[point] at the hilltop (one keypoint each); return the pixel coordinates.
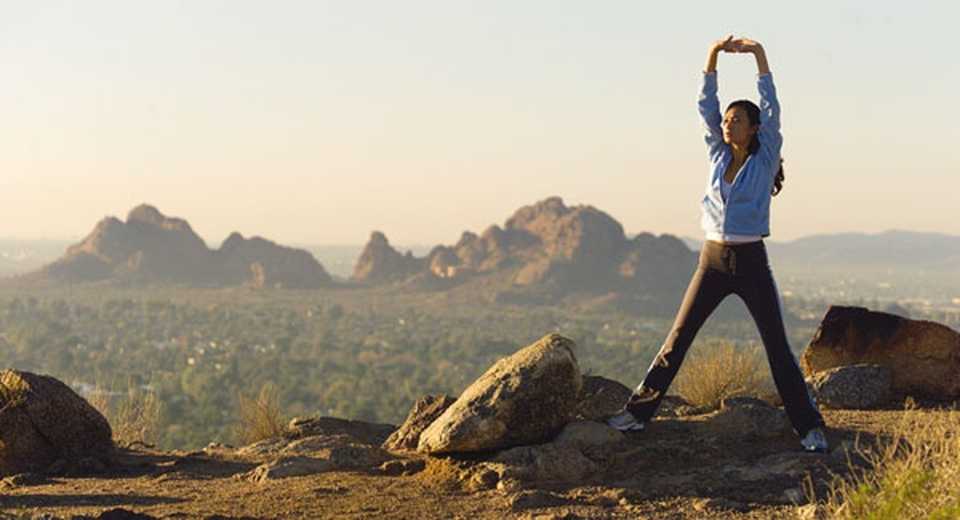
(150, 247)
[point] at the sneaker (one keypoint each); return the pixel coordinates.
(625, 422)
(815, 441)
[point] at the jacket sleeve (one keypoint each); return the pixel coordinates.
(709, 108)
(770, 138)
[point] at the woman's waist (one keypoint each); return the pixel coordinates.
(734, 257)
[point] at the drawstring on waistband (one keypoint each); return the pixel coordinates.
(730, 259)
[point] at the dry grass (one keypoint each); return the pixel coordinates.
(260, 418)
(134, 418)
(719, 370)
(913, 474)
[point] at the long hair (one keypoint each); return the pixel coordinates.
(753, 114)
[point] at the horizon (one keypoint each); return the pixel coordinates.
(396, 245)
(426, 120)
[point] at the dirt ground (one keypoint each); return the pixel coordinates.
(677, 468)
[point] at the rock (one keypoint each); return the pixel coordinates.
(316, 443)
(288, 467)
(588, 434)
(601, 398)
(425, 411)
(319, 461)
(363, 432)
(534, 499)
(43, 420)
(749, 417)
(264, 447)
(546, 463)
(859, 387)
(525, 398)
(402, 467)
(484, 477)
(923, 356)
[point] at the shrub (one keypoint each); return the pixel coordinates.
(134, 419)
(720, 370)
(260, 418)
(915, 473)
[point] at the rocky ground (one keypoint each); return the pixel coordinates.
(693, 466)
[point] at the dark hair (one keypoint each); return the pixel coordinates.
(753, 114)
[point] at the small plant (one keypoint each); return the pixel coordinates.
(260, 418)
(10, 397)
(134, 419)
(720, 370)
(915, 473)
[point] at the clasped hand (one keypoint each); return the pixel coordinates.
(729, 44)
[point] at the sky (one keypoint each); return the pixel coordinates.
(318, 122)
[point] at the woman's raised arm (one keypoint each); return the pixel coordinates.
(708, 105)
(752, 47)
(771, 140)
(725, 44)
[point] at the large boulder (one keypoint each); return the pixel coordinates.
(860, 386)
(923, 356)
(525, 398)
(42, 420)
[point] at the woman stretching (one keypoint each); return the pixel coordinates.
(745, 171)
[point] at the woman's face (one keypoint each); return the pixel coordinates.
(737, 128)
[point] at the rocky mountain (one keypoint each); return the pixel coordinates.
(546, 245)
(153, 248)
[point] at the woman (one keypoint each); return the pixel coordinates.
(744, 150)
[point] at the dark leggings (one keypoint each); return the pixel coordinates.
(741, 269)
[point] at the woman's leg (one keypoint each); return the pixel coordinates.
(759, 291)
(706, 290)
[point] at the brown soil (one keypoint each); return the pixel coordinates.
(678, 468)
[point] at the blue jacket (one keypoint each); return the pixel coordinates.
(747, 210)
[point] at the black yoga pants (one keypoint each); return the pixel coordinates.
(744, 270)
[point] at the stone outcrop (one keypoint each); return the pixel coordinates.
(263, 263)
(426, 410)
(43, 421)
(150, 247)
(546, 245)
(861, 386)
(319, 460)
(525, 398)
(362, 432)
(923, 356)
(380, 262)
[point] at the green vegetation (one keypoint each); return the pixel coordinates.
(915, 473)
(363, 354)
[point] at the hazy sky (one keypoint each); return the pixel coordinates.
(317, 122)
